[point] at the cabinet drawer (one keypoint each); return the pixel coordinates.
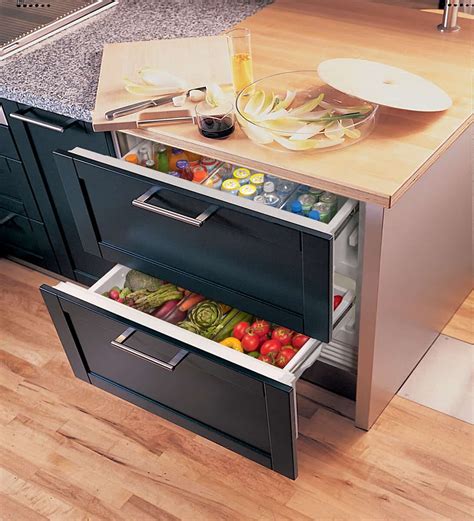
(229, 397)
(26, 239)
(267, 261)
(7, 145)
(15, 190)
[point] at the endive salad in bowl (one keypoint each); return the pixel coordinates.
(296, 111)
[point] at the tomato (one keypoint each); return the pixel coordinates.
(282, 334)
(269, 359)
(250, 341)
(239, 330)
(284, 356)
(337, 300)
(299, 340)
(270, 346)
(261, 327)
(114, 294)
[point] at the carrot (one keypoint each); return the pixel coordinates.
(191, 301)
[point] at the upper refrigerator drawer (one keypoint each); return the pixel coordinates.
(255, 257)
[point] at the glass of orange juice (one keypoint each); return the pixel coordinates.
(238, 41)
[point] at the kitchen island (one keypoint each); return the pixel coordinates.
(413, 256)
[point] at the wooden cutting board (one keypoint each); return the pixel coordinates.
(199, 61)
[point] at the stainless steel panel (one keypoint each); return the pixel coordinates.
(417, 269)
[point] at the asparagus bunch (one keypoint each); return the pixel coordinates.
(148, 301)
(155, 299)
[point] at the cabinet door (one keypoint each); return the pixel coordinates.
(39, 133)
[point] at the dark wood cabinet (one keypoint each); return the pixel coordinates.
(36, 133)
(23, 234)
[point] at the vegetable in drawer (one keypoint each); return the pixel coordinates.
(230, 327)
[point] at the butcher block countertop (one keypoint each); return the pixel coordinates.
(295, 35)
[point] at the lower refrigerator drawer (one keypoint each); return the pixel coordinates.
(233, 399)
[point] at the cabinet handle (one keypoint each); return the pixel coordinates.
(39, 123)
(7, 218)
(142, 202)
(169, 366)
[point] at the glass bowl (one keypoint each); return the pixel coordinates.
(296, 111)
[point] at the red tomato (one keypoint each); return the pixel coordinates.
(114, 294)
(261, 327)
(239, 330)
(299, 340)
(269, 359)
(270, 346)
(282, 334)
(284, 356)
(337, 300)
(250, 341)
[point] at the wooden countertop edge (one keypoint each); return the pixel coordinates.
(352, 192)
(431, 160)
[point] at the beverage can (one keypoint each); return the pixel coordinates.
(257, 180)
(209, 163)
(230, 186)
(242, 175)
(248, 191)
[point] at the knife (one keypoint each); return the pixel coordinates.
(142, 105)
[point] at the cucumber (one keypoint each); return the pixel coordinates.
(227, 327)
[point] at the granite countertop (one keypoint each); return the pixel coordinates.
(61, 74)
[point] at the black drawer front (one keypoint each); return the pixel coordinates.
(15, 190)
(238, 256)
(25, 239)
(7, 145)
(212, 397)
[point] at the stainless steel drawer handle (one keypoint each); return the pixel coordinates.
(39, 123)
(142, 202)
(7, 218)
(169, 366)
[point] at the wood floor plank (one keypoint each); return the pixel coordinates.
(71, 452)
(461, 326)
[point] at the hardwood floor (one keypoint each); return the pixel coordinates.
(461, 326)
(71, 452)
